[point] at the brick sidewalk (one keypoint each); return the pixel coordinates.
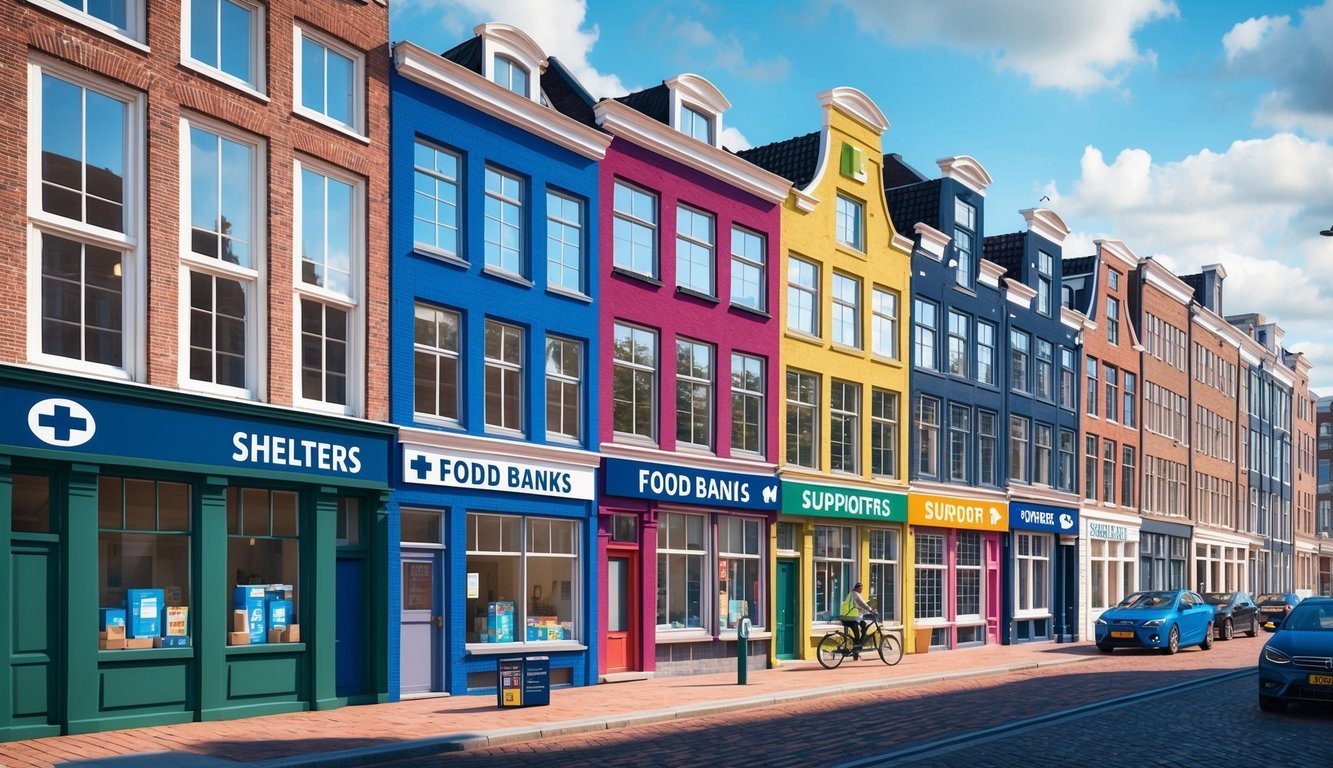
(433, 725)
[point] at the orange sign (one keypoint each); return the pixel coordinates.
(957, 512)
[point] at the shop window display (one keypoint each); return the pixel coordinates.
(739, 568)
(143, 545)
(521, 579)
(263, 559)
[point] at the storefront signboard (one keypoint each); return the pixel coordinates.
(1043, 517)
(1109, 531)
(818, 500)
(690, 485)
(471, 469)
(957, 512)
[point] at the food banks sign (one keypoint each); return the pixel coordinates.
(467, 469)
(847, 503)
(690, 485)
(957, 512)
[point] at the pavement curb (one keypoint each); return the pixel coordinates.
(464, 742)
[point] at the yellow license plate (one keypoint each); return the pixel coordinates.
(1126, 635)
(1321, 679)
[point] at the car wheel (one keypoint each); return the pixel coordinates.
(1228, 630)
(1207, 644)
(1172, 641)
(1104, 648)
(1254, 627)
(1272, 704)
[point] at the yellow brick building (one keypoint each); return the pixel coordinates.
(844, 363)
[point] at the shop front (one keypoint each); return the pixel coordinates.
(494, 561)
(1164, 550)
(685, 551)
(1110, 550)
(1221, 560)
(178, 558)
(1043, 563)
(956, 569)
(827, 538)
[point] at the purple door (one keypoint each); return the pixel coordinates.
(421, 638)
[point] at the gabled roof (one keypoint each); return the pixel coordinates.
(1006, 251)
(566, 94)
(1080, 266)
(466, 54)
(898, 173)
(913, 204)
(654, 102)
(796, 159)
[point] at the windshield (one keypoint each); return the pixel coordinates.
(1310, 618)
(1149, 600)
(1217, 598)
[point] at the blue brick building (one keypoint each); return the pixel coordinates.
(493, 323)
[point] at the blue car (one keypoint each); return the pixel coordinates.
(1165, 619)
(1297, 662)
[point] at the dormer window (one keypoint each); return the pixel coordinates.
(696, 124)
(509, 74)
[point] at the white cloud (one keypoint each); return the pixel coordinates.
(1256, 208)
(1298, 58)
(700, 49)
(733, 139)
(1075, 45)
(556, 25)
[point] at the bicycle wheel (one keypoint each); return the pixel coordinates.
(890, 650)
(832, 650)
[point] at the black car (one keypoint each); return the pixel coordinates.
(1273, 608)
(1236, 612)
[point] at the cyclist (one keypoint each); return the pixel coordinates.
(855, 611)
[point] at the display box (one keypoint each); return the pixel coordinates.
(279, 614)
(144, 607)
(277, 592)
(110, 617)
(112, 633)
(240, 621)
(500, 622)
(251, 600)
(292, 634)
(238, 638)
(177, 623)
(275, 635)
(140, 642)
(117, 644)
(174, 641)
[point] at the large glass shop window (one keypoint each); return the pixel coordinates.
(522, 579)
(681, 553)
(739, 571)
(143, 559)
(834, 566)
(263, 549)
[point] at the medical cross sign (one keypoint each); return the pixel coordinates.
(61, 422)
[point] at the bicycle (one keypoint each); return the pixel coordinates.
(837, 645)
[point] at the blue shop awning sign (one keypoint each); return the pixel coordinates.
(1042, 517)
(690, 485)
(95, 426)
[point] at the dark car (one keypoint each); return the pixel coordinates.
(1297, 662)
(1236, 612)
(1273, 608)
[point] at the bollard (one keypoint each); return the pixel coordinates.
(742, 651)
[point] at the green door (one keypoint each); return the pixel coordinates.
(788, 610)
(34, 642)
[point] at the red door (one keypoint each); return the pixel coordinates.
(621, 610)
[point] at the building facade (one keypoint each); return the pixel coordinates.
(186, 358)
(1324, 493)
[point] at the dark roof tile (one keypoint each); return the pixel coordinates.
(795, 159)
(566, 93)
(1080, 266)
(1006, 251)
(653, 102)
(913, 204)
(466, 54)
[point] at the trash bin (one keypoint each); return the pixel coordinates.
(922, 639)
(523, 682)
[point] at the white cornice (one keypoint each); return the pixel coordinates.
(933, 241)
(901, 242)
(699, 90)
(1072, 319)
(1248, 355)
(967, 170)
(989, 273)
(1019, 292)
(502, 449)
(632, 125)
(515, 40)
(805, 202)
(1046, 223)
(465, 86)
(855, 105)
(1218, 268)
(1117, 250)
(1164, 280)
(805, 198)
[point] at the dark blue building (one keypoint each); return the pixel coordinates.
(1041, 553)
(494, 225)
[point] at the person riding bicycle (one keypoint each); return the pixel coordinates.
(855, 611)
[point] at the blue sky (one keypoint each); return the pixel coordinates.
(1196, 131)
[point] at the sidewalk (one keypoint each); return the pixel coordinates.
(362, 735)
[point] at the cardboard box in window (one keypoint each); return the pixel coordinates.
(139, 642)
(240, 621)
(251, 600)
(112, 644)
(275, 635)
(238, 638)
(177, 624)
(112, 633)
(173, 641)
(292, 634)
(144, 607)
(277, 592)
(110, 617)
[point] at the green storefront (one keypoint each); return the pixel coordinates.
(119, 497)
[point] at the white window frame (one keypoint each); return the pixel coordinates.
(518, 204)
(884, 324)
(926, 429)
(851, 221)
(132, 32)
(811, 407)
(258, 85)
(925, 335)
(741, 394)
(565, 226)
(919, 566)
(438, 352)
(1026, 599)
(638, 369)
(729, 549)
(255, 276)
(437, 177)
(957, 363)
(1020, 435)
(356, 128)
(558, 376)
(653, 228)
(132, 243)
(742, 263)
(663, 531)
(688, 379)
(845, 310)
(811, 290)
(504, 365)
(884, 422)
(822, 564)
(1043, 454)
(849, 414)
(351, 303)
(513, 65)
(688, 245)
(887, 544)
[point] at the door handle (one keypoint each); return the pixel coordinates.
(438, 621)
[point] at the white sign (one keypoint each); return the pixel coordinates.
(61, 422)
(1108, 531)
(459, 469)
(473, 585)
